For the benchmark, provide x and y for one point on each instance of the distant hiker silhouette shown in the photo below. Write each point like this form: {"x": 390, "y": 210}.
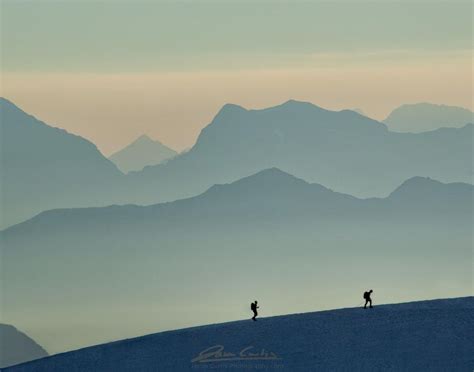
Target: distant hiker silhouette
{"x": 367, "y": 299}
{"x": 254, "y": 307}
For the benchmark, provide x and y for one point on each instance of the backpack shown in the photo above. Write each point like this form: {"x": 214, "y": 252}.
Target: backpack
{"x": 252, "y": 306}
{"x": 366, "y": 295}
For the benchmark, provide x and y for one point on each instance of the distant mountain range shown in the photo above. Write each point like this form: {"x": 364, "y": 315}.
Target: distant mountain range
{"x": 259, "y": 236}
{"x": 45, "y": 168}
{"x": 273, "y": 188}
{"x": 16, "y": 347}
{"x": 420, "y": 117}
{"x": 343, "y": 150}
{"x": 140, "y": 153}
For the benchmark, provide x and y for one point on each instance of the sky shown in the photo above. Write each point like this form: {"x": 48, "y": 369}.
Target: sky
{"x": 111, "y": 71}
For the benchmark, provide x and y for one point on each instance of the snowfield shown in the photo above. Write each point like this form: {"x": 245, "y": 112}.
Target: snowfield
{"x": 435, "y": 335}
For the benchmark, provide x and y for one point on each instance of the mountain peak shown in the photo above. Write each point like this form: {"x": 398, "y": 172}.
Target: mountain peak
{"x": 293, "y": 104}
{"x": 418, "y": 182}
{"x": 264, "y": 182}
{"x": 274, "y": 174}
{"x": 423, "y": 116}
{"x": 144, "y": 138}
{"x": 428, "y": 105}
{"x": 229, "y": 110}
{"x": 233, "y": 106}
{"x": 421, "y": 187}
{"x": 142, "y": 152}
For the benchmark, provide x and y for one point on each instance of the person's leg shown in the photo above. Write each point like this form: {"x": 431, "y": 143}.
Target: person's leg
{"x": 254, "y": 315}
{"x": 370, "y": 303}
{"x": 365, "y": 306}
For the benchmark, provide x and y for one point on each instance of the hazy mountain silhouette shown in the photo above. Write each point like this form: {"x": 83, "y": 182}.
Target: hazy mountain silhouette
{"x": 262, "y": 234}
{"x": 44, "y": 167}
{"x": 343, "y": 150}
{"x": 140, "y": 153}
{"x": 16, "y": 347}
{"x": 421, "y": 117}
{"x": 268, "y": 192}
{"x": 390, "y": 337}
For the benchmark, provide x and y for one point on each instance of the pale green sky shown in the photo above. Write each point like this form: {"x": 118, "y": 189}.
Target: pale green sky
{"x": 56, "y": 55}
{"x": 96, "y": 36}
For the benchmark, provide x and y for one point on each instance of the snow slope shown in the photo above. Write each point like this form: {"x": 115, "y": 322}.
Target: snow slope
{"x": 418, "y": 336}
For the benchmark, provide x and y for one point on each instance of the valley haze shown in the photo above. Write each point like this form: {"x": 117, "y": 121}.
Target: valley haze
{"x": 150, "y": 264}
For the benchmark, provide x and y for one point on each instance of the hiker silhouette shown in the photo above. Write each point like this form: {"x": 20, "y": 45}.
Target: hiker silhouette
{"x": 367, "y": 299}
{"x": 254, "y": 307}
